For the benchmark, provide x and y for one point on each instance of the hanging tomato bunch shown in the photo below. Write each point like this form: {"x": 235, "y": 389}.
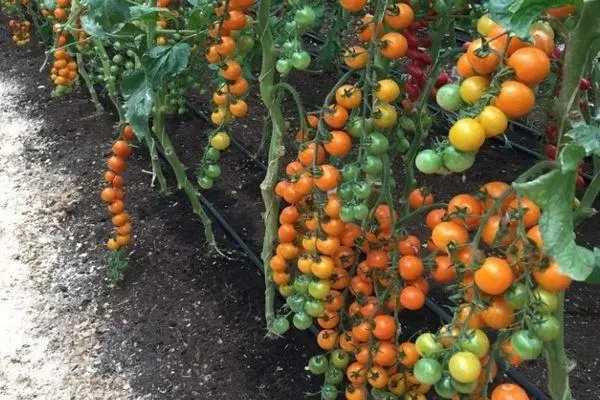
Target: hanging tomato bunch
{"x": 20, "y": 32}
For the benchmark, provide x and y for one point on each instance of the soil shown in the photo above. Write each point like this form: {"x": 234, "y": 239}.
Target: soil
{"x": 186, "y": 323}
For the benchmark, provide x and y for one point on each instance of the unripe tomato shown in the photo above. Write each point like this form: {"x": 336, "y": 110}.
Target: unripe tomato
{"x": 448, "y": 97}
{"x": 485, "y": 24}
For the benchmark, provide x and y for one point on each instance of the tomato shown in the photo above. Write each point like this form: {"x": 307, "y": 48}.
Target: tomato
{"x": 283, "y": 66}
{"x": 509, "y": 391}
{"x": 314, "y": 308}
{"x": 551, "y": 279}
{"x": 473, "y": 88}
{"x": 494, "y": 190}
{"x": 362, "y": 190}
{"x": 373, "y": 165}
{"x": 464, "y": 68}
{"x": 378, "y": 144}
{"x": 447, "y": 233}
{"x": 543, "y": 41}
{"x": 393, "y": 45}
{"x": 205, "y": 182}
{"x": 448, "y": 97}
{"x": 300, "y": 60}
{"x": 427, "y": 345}
{"x": 542, "y": 26}
{"x": 475, "y": 341}
{"x": 348, "y": 96}
{"x": 353, "y": 5}
{"x": 356, "y": 57}
{"x": 245, "y": 43}
{"x": 546, "y": 327}
{"x": 387, "y": 90}
{"x": 400, "y": 17}
{"x": 494, "y": 276}
{"x": 318, "y": 364}
{"x": 384, "y": 327}
{"x": 356, "y": 373}
{"x": 515, "y": 99}
{"x": 544, "y": 301}
{"x": 428, "y": 161}
{"x": 329, "y": 392}
{"x": 560, "y": 12}
{"x": 444, "y": 387}
{"x": 465, "y": 210}
{"x": 457, "y": 161}
{"x": 377, "y": 377}
{"x": 531, "y": 211}
{"x": 280, "y": 325}
{"x": 444, "y": 271}
{"x": 467, "y": 135}
{"x": 220, "y": 140}
{"x": 305, "y": 16}
{"x": 428, "y": 371}
{"x": 307, "y": 154}
{"x": 384, "y": 115}
{"x": 356, "y": 126}
{"x": 329, "y": 179}
{"x": 356, "y": 392}
{"x": 323, "y": 268}
{"x": 493, "y": 121}
{"x": 526, "y": 344}
{"x": 464, "y": 367}
{"x": 238, "y": 108}
{"x": 484, "y": 24}
{"x": 531, "y": 65}
{"x": 516, "y": 296}
{"x": 302, "y": 321}
{"x": 339, "y": 144}
{"x": 336, "y": 116}
{"x": 483, "y": 61}
{"x": 319, "y": 289}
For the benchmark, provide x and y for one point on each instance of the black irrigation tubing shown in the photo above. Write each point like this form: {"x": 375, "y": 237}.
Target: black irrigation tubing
{"x": 512, "y": 373}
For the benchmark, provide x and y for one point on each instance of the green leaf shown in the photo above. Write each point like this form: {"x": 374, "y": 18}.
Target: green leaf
{"x": 144, "y": 11}
{"x": 594, "y": 277}
{"x": 108, "y": 13}
{"x": 554, "y": 193}
{"x": 587, "y": 136}
{"x": 139, "y": 99}
{"x": 518, "y": 15}
{"x": 166, "y": 61}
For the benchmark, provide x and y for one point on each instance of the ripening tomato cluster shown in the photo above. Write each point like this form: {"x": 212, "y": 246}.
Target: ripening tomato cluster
{"x": 223, "y": 53}
{"x": 61, "y": 10}
{"x": 20, "y": 32}
{"x": 291, "y": 52}
{"x": 499, "y": 75}
{"x": 64, "y": 69}
{"x": 114, "y": 194}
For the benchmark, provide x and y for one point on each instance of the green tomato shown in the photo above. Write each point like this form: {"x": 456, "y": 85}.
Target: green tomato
{"x": 314, "y": 308}
{"x": 349, "y": 172}
{"x": 295, "y": 302}
{"x": 475, "y": 341}
{"x": 428, "y": 161}
{"x": 543, "y": 26}
{"x": 305, "y": 16}
{"x": 245, "y": 43}
{"x": 356, "y": 127}
{"x": 448, "y": 97}
{"x": 457, "y": 161}
{"x": 319, "y": 289}
{"x": 283, "y": 66}
{"x": 428, "y": 371}
{"x": 291, "y": 27}
{"x": 427, "y": 345}
{"x": 339, "y": 358}
{"x": 546, "y": 327}
{"x": 118, "y": 59}
{"x": 362, "y": 190}
{"x": 302, "y": 321}
{"x": 407, "y": 124}
{"x": 334, "y": 376}
{"x": 346, "y": 213}
{"x": 360, "y": 211}
{"x": 444, "y": 387}
{"x": 301, "y": 60}
{"x": 114, "y": 69}
{"x": 280, "y": 325}
{"x": 373, "y": 165}
{"x": 212, "y": 154}
{"x": 464, "y": 367}
{"x": 378, "y": 144}
{"x": 318, "y": 364}
{"x": 205, "y": 182}
{"x": 289, "y": 46}
{"x": 301, "y": 283}
{"x": 544, "y": 301}
{"x": 464, "y": 387}
{"x": 329, "y": 392}
{"x": 346, "y": 191}
{"x": 526, "y": 344}
{"x": 212, "y": 171}
{"x": 516, "y": 296}
{"x": 286, "y": 290}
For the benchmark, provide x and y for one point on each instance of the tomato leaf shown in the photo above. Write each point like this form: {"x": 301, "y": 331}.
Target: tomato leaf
{"x": 107, "y": 13}
{"x": 518, "y": 15}
{"x": 139, "y": 99}
{"x": 588, "y": 137}
{"x": 554, "y": 193}
{"x": 144, "y": 11}
{"x": 165, "y": 61}
{"x": 594, "y": 277}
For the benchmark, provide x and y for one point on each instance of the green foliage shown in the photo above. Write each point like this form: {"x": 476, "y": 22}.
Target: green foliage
{"x": 518, "y": 15}
{"x": 330, "y": 53}
{"x": 116, "y": 266}
{"x": 588, "y": 137}
{"x": 106, "y": 13}
{"x": 554, "y": 192}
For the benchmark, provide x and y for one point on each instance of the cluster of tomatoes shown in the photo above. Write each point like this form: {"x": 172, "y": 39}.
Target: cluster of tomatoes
{"x": 499, "y": 74}
{"x": 20, "y": 32}
{"x": 64, "y": 69}
{"x": 292, "y": 54}
{"x": 114, "y": 194}
{"x": 232, "y": 87}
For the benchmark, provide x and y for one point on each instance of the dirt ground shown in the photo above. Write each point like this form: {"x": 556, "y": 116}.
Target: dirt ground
{"x": 185, "y": 323}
